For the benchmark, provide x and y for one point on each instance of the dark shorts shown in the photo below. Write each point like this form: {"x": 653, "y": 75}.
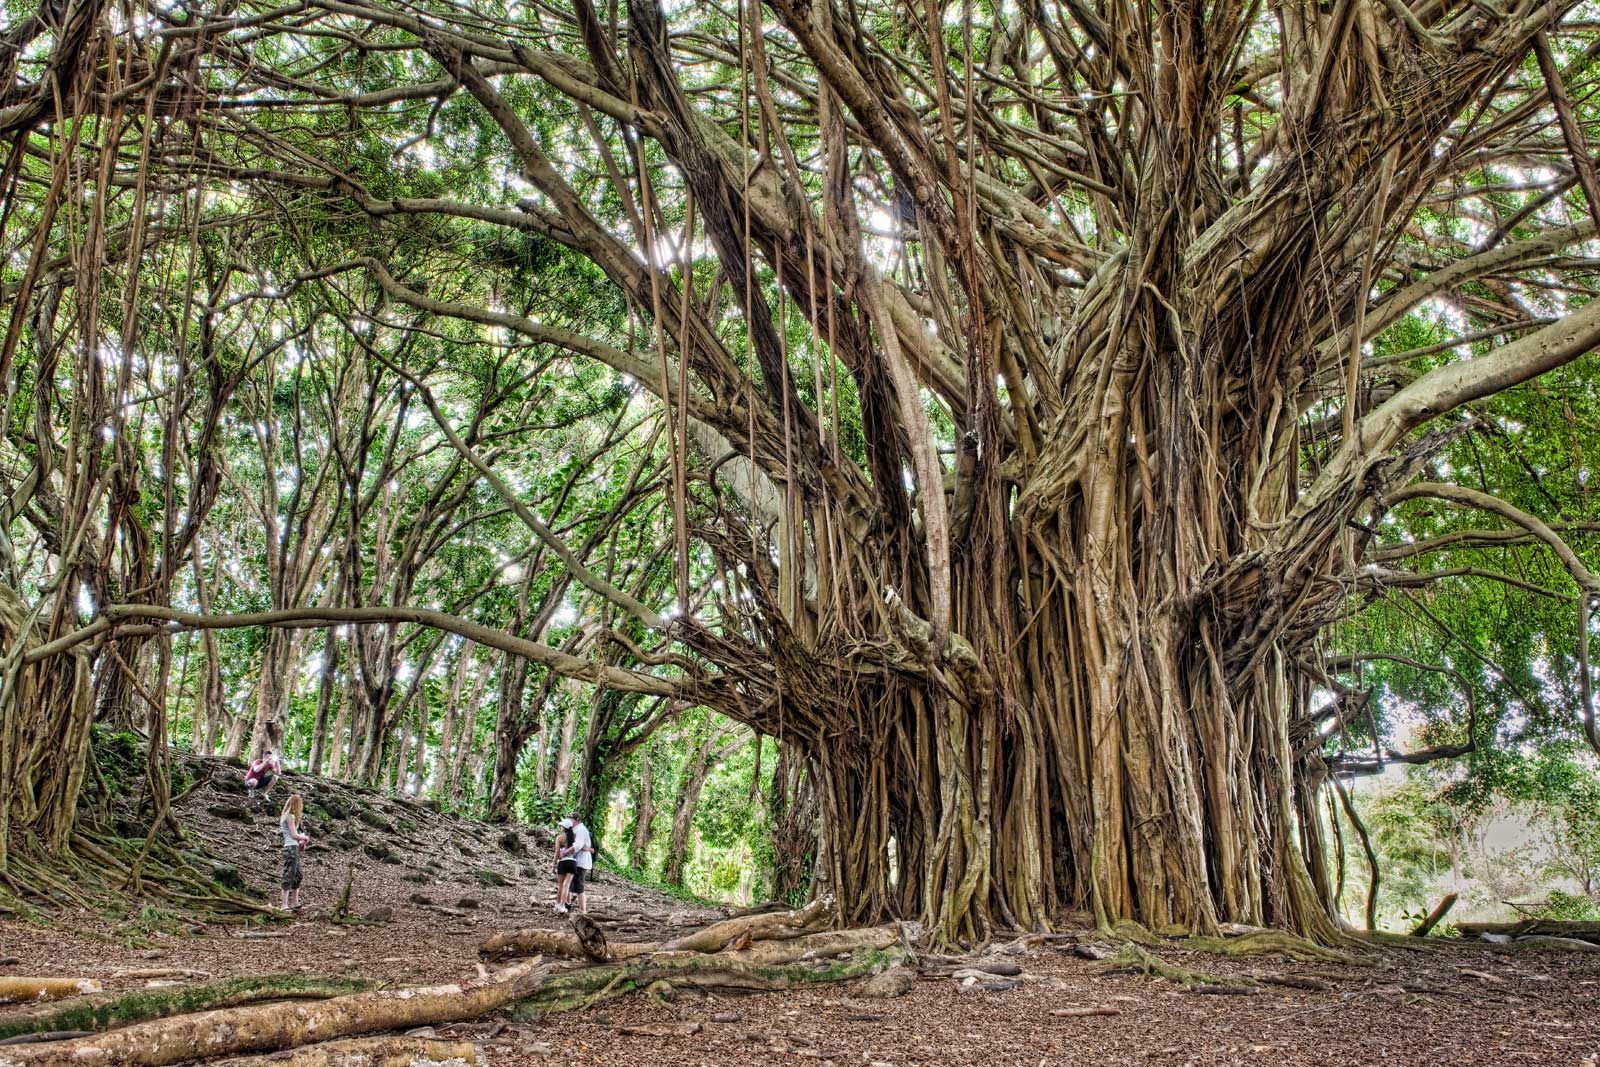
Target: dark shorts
{"x": 566, "y": 867}
{"x": 291, "y": 867}
{"x": 578, "y": 876}
{"x": 264, "y": 782}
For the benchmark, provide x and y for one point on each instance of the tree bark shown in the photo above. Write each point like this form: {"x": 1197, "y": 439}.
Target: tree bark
{"x": 327, "y": 682}
{"x": 228, "y": 1031}
{"x": 644, "y": 812}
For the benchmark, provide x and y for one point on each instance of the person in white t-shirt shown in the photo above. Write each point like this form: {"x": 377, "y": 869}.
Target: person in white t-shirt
{"x": 581, "y": 853}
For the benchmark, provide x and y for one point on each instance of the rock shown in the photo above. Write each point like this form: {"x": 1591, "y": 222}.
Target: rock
{"x": 467, "y": 902}
{"x": 227, "y": 876}
{"x": 1497, "y": 939}
{"x": 1093, "y": 950}
{"x": 380, "y": 914}
{"x": 488, "y": 878}
{"x": 728, "y": 1017}
{"x": 229, "y": 811}
{"x": 335, "y": 807}
{"x": 511, "y": 841}
{"x": 374, "y": 820}
{"x": 380, "y": 851}
{"x": 421, "y": 898}
{"x": 895, "y": 982}
{"x": 197, "y": 929}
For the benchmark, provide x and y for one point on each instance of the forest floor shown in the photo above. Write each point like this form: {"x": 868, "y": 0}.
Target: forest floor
{"x": 435, "y": 886}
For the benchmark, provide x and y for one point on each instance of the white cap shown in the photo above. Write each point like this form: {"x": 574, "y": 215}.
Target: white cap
{"x": 566, "y": 824}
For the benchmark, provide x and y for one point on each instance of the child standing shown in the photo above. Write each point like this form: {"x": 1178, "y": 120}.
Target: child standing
{"x": 294, "y": 840}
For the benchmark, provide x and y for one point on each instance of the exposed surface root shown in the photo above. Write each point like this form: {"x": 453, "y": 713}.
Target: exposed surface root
{"x": 582, "y": 988}
{"x": 109, "y": 1010}
{"x": 1271, "y": 942}
{"x": 1133, "y": 957}
{"x": 371, "y": 1052}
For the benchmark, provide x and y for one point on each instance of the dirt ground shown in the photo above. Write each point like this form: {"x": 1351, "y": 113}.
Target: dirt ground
{"x": 424, "y": 876}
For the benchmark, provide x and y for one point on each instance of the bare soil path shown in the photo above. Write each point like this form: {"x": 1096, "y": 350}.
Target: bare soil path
{"x": 436, "y": 885}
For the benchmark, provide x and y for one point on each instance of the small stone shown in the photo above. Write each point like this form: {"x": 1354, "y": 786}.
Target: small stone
{"x": 381, "y": 914}
{"x": 895, "y": 982}
{"x": 728, "y": 1017}
{"x": 421, "y": 898}
{"x": 467, "y": 902}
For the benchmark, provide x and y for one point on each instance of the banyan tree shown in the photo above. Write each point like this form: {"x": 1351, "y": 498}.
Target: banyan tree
{"x": 1029, "y": 369}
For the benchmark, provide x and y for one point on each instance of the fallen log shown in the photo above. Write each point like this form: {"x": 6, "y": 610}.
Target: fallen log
{"x": 109, "y": 1010}
{"x": 230, "y": 1031}
{"x": 764, "y": 926}
{"x": 1582, "y": 931}
{"x": 19, "y": 989}
{"x": 1434, "y": 916}
{"x": 372, "y": 1052}
{"x": 767, "y": 926}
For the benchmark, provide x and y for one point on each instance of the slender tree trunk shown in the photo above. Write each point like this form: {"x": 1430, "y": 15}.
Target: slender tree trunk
{"x": 507, "y": 737}
{"x": 644, "y": 812}
{"x": 696, "y": 769}
{"x": 569, "y": 727}
{"x": 419, "y": 754}
{"x": 467, "y": 735}
{"x": 339, "y": 742}
{"x": 327, "y": 683}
